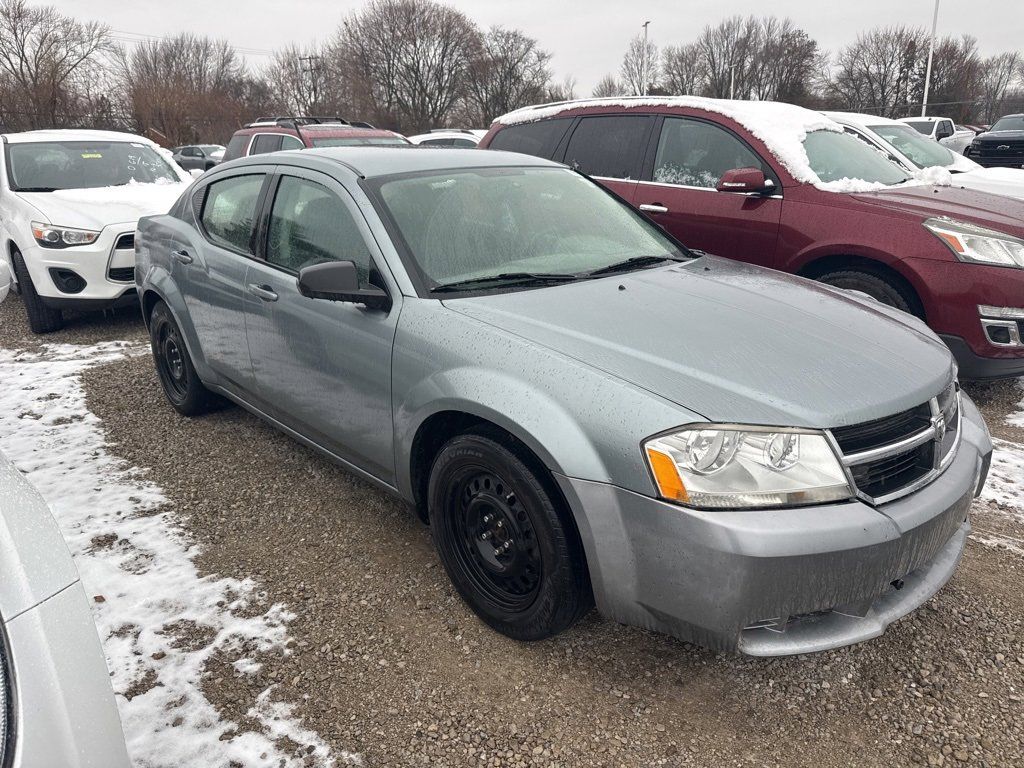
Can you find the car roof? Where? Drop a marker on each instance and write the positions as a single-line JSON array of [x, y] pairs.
[[325, 130], [74, 134], [370, 161], [860, 118]]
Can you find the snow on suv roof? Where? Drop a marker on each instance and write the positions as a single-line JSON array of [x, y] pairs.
[[861, 118], [74, 134], [782, 127]]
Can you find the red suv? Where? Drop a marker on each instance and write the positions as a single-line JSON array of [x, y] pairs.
[[270, 134], [784, 187]]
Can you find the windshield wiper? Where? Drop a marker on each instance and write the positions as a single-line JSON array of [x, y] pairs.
[[506, 278], [631, 263]]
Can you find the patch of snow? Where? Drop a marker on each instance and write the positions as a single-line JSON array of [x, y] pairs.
[[159, 620], [140, 199], [1005, 483], [936, 175]]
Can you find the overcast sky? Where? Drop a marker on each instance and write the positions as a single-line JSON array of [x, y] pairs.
[[586, 37]]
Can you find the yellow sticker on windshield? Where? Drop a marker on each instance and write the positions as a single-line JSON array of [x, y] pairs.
[[91, 155]]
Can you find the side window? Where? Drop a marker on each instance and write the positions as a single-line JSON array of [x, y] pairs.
[[694, 153], [229, 211], [290, 142], [189, 152], [610, 146], [540, 138], [464, 143], [310, 224], [236, 147], [265, 142]]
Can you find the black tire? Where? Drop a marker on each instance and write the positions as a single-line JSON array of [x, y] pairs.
[[877, 287], [482, 498], [178, 377], [41, 318]]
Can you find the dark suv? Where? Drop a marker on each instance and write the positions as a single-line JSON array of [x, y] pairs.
[[1002, 145], [784, 187], [270, 134]]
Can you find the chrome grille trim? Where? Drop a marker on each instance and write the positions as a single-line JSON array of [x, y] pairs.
[[936, 432]]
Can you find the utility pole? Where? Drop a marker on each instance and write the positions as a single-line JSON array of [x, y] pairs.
[[928, 69], [732, 81], [314, 63], [643, 59]]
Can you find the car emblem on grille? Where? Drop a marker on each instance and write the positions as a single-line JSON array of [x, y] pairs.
[[1003, 146], [939, 426]]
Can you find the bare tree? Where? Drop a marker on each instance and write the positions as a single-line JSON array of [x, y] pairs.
[[956, 82], [728, 52], [607, 87], [784, 58], [639, 69], [408, 60], [999, 73], [877, 73], [47, 60], [507, 71], [299, 79], [563, 91], [682, 68]]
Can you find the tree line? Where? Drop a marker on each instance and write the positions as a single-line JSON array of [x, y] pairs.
[[413, 65]]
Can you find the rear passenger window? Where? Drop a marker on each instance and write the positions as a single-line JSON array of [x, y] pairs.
[[540, 138], [230, 210], [309, 224], [265, 142], [611, 146], [693, 153], [236, 147], [290, 142]]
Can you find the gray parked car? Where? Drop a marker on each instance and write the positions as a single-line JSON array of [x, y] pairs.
[[56, 705], [581, 408], [200, 157]]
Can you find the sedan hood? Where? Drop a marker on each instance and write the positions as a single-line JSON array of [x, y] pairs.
[[997, 181], [34, 560], [923, 202], [97, 208], [734, 342]]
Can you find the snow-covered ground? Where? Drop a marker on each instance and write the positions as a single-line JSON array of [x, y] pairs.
[[148, 598], [1005, 486]]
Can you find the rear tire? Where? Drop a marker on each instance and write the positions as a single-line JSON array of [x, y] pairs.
[[178, 377], [41, 318], [507, 543], [875, 286]]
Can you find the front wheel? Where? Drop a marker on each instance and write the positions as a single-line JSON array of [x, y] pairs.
[[873, 285], [177, 374], [507, 543], [41, 318]]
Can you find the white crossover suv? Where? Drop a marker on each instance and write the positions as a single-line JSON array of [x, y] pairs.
[[69, 204]]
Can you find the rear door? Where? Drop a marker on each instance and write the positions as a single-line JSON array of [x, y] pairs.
[[322, 367], [679, 192], [210, 271], [610, 149]]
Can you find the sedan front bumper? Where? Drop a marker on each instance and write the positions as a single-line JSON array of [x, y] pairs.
[[777, 582]]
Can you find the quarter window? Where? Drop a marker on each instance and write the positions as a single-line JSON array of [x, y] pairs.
[[693, 153], [539, 139], [230, 210], [265, 142], [290, 142], [309, 224], [611, 146]]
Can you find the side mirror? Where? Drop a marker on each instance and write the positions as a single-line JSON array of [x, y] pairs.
[[339, 281], [943, 132], [746, 181], [195, 173]]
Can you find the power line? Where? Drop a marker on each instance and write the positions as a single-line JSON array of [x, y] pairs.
[[125, 36]]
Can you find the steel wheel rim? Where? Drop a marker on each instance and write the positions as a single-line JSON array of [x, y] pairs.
[[171, 362], [494, 539]]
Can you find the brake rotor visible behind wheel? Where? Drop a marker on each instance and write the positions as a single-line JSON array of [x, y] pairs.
[[507, 543]]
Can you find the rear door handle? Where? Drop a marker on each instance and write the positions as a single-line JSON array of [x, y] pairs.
[[262, 291], [183, 256], [653, 208]]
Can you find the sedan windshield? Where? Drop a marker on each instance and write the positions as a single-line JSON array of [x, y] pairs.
[[835, 156], [1012, 123], [921, 151], [357, 141], [52, 165], [516, 225]]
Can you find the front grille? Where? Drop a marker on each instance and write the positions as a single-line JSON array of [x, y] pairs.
[[125, 242], [889, 457], [122, 274]]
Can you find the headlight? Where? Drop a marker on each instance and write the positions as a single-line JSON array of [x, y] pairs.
[[976, 244], [735, 467], [49, 236]]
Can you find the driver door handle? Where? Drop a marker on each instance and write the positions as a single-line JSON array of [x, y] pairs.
[[653, 208], [182, 256], [262, 291]]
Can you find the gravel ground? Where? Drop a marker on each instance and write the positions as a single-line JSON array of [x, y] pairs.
[[389, 663]]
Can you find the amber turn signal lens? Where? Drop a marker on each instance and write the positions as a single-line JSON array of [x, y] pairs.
[[670, 485]]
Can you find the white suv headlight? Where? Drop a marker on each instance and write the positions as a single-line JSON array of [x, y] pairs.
[[50, 236], [716, 466], [979, 245]]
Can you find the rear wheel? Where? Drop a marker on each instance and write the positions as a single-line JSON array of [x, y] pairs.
[[177, 374], [886, 291], [507, 543], [41, 318]]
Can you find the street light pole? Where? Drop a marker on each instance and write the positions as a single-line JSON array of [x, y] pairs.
[[928, 69], [643, 59], [732, 81]]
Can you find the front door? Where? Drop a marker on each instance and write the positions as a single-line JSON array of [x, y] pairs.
[[680, 193], [323, 368]]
